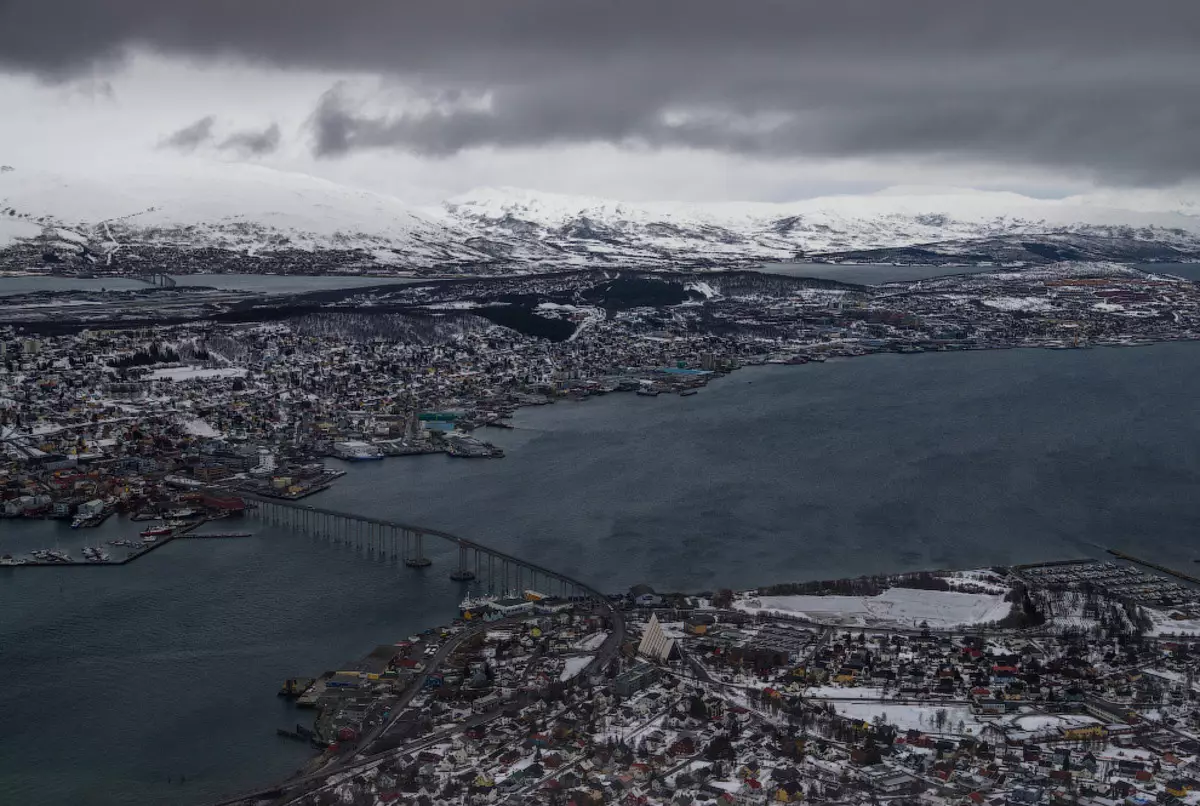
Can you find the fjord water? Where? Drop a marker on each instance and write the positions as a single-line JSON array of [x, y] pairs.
[[261, 283], [116, 678], [876, 273]]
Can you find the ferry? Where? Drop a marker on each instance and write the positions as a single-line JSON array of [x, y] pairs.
[[155, 531]]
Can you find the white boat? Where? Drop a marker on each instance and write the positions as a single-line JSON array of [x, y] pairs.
[[474, 603], [356, 451], [8, 559]]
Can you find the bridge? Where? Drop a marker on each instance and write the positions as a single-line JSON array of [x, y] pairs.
[[496, 571], [392, 539], [160, 280]]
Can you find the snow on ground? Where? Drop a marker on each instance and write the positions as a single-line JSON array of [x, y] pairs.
[[200, 428], [912, 717], [194, 373], [845, 692], [592, 642], [895, 607], [982, 578], [1018, 304], [574, 667], [13, 229], [1039, 723], [1165, 625]]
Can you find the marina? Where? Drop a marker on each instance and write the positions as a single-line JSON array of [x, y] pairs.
[[95, 556]]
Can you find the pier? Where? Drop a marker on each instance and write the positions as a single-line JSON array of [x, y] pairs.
[[182, 533]]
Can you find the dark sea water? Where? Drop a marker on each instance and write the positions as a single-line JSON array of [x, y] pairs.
[[116, 678], [267, 283], [873, 274]]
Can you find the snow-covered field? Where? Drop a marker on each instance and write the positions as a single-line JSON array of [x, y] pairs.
[[913, 717], [1165, 625], [592, 642], [895, 607], [194, 373], [842, 692], [1018, 304], [574, 667], [199, 428], [1040, 723]]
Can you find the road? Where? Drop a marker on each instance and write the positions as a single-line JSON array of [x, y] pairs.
[[302, 785]]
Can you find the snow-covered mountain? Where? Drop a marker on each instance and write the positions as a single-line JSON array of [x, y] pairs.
[[229, 216], [590, 229], [229, 207]]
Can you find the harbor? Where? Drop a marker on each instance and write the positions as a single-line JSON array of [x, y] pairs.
[[1156, 566], [151, 539]]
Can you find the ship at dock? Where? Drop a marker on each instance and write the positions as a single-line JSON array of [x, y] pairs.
[[355, 451], [474, 604]]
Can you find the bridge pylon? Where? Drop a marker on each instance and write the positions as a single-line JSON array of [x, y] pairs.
[[414, 554], [462, 573]]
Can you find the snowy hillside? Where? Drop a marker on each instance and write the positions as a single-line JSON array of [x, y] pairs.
[[588, 228], [238, 217], [237, 207]]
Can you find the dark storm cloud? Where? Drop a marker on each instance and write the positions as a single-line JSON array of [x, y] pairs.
[[192, 136], [255, 143], [1106, 86]]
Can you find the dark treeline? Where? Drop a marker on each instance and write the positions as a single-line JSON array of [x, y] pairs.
[[525, 321], [156, 353], [859, 586]]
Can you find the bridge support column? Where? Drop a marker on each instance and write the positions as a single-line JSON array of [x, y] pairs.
[[462, 573], [416, 556]]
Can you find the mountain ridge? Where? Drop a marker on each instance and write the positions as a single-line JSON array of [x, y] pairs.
[[233, 216]]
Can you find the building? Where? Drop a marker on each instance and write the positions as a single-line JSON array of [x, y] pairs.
[[655, 643], [634, 680]]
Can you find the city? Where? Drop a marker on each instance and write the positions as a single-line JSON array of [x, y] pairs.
[[599, 403], [133, 416]]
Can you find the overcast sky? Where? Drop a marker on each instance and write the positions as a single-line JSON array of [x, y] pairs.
[[638, 99]]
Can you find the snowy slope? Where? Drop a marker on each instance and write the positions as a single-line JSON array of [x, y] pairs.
[[223, 205], [896, 217], [187, 216]]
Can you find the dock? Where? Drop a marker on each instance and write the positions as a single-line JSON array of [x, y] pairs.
[[182, 533], [1148, 564]]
